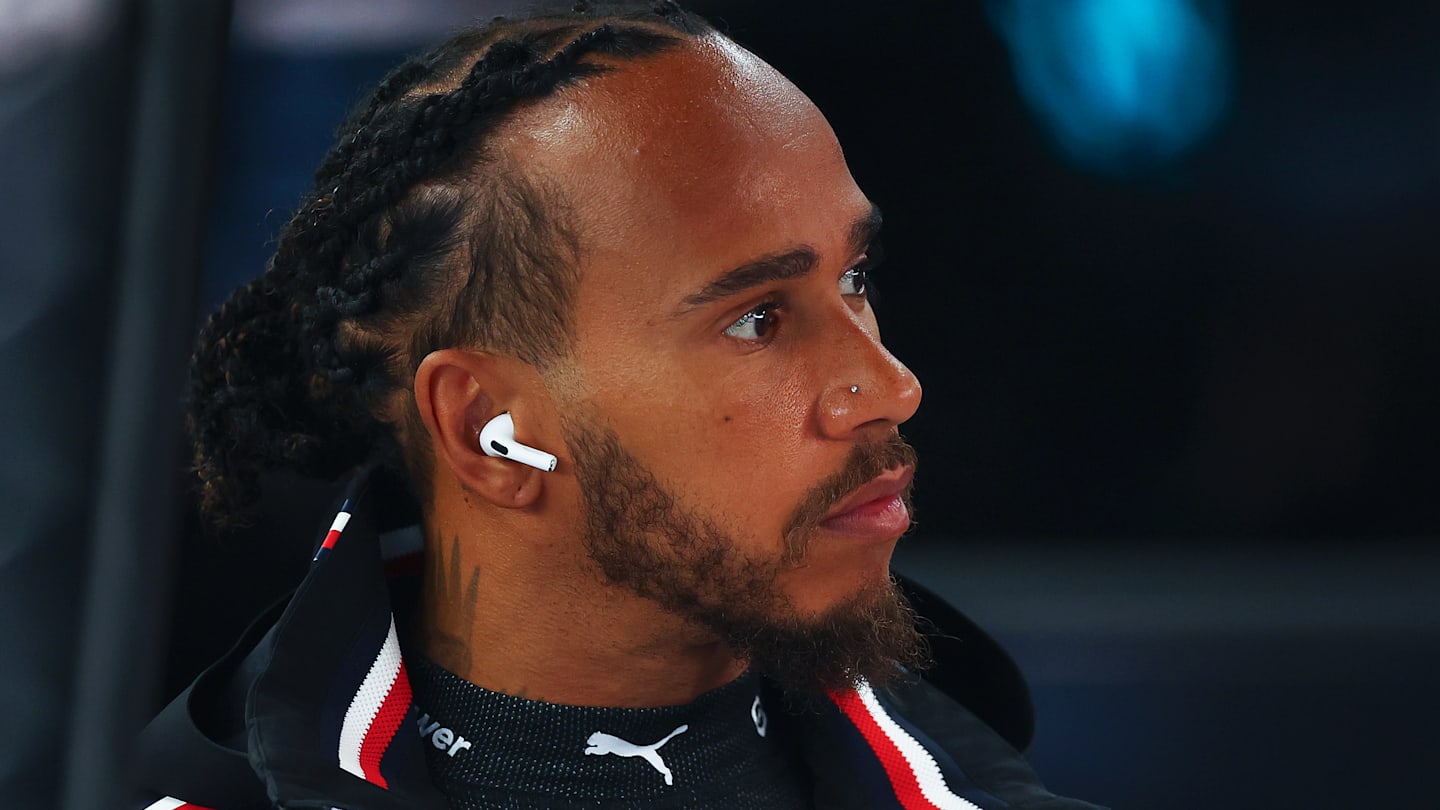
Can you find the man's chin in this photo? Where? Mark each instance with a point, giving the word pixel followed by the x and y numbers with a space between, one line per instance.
pixel 852 587
pixel 872 635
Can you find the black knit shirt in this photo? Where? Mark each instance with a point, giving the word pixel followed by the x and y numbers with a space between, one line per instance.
pixel 490 750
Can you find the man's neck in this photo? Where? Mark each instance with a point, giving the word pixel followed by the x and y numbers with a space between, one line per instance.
pixel 586 643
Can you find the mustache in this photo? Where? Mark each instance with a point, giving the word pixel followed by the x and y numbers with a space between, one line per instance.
pixel 864 463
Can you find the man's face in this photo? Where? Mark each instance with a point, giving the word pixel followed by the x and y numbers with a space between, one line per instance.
pixel 726 358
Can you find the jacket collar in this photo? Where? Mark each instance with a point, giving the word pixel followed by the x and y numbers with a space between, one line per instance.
pixel 330 715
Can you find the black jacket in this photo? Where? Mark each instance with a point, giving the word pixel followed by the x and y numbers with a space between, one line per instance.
pixel 281 720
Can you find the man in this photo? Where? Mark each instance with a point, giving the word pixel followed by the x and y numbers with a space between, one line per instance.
pixel 625 241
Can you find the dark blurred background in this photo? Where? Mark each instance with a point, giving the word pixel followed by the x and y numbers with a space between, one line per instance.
pixel 1167 271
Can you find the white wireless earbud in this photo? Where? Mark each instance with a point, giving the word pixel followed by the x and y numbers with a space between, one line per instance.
pixel 497 439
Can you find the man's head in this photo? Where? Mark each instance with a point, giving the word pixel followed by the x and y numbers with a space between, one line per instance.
pixel 644 243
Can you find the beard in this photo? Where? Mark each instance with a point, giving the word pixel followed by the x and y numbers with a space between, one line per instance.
pixel 644 540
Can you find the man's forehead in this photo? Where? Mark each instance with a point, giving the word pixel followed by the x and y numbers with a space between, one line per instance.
pixel 704 153
pixel 706 87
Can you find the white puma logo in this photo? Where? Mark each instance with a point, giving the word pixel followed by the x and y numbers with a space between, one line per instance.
pixel 602 743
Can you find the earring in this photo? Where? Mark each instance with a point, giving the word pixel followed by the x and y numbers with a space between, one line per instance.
pixel 854 389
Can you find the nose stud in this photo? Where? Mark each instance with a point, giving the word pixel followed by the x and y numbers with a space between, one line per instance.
pixel 854 389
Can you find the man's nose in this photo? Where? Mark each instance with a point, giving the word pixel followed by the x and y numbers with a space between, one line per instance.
pixel 871 391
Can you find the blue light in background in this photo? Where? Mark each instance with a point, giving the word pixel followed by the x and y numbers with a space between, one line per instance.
pixel 1121 84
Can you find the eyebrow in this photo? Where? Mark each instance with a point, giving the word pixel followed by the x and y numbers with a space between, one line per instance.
pixel 779 266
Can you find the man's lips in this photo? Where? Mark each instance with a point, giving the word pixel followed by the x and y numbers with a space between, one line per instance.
pixel 876 508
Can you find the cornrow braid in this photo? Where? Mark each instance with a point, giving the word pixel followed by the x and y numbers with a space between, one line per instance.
pixel 416 235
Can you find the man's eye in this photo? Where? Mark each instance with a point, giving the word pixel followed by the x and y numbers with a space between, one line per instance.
pixel 755 324
pixel 855 281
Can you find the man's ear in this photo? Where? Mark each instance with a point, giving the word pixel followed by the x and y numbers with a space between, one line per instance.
pixel 458 391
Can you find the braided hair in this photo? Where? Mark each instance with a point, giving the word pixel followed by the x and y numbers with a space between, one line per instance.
pixel 415 236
